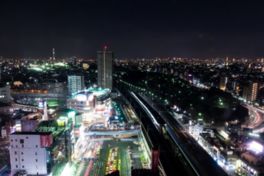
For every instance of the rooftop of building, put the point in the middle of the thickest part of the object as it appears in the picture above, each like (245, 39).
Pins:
(96, 91)
(50, 126)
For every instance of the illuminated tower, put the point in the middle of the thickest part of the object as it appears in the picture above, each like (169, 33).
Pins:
(226, 61)
(53, 53)
(223, 82)
(104, 65)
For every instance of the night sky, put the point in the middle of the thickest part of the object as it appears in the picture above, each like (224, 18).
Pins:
(138, 28)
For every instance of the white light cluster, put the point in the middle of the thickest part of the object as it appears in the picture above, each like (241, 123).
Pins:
(255, 147)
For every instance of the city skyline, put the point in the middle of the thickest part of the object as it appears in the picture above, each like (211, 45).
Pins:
(132, 28)
(131, 88)
(130, 120)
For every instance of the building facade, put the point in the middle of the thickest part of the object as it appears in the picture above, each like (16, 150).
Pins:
(5, 95)
(250, 91)
(105, 68)
(28, 152)
(75, 83)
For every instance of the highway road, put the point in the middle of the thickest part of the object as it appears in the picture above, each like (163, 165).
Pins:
(169, 158)
(197, 158)
(256, 117)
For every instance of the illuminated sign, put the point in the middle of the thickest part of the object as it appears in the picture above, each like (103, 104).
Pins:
(45, 140)
(255, 147)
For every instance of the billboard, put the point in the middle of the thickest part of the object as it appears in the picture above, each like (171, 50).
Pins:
(46, 140)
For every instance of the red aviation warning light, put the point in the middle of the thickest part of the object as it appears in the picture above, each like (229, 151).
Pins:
(105, 47)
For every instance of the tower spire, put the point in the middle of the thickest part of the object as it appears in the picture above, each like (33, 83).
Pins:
(53, 53)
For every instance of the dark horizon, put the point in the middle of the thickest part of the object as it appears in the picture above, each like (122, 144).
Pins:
(132, 28)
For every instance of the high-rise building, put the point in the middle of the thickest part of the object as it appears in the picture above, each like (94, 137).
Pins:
(235, 87)
(250, 91)
(29, 152)
(75, 83)
(105, 65)
(223, 82)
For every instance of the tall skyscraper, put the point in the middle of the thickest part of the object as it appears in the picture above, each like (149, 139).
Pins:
(250, 91)
(75, 83)
(105, 65)
(223, 82)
